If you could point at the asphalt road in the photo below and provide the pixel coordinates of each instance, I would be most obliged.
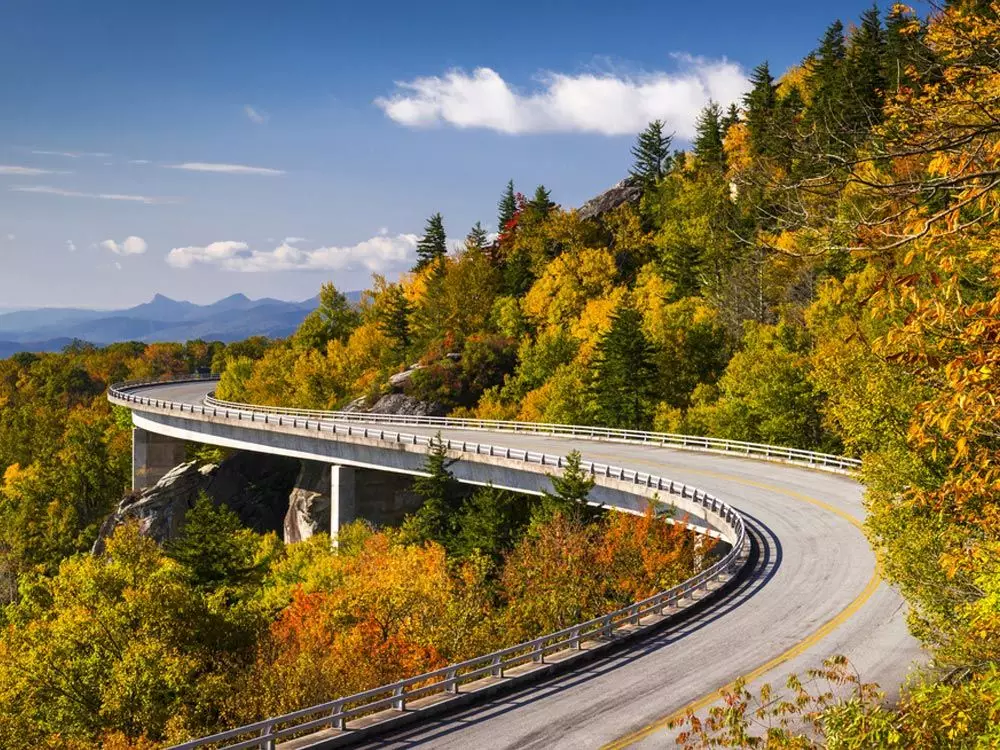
(813, 592)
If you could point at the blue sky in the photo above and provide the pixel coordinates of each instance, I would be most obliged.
(203, 148)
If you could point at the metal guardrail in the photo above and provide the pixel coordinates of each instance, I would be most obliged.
(338, 712)
(814, 459)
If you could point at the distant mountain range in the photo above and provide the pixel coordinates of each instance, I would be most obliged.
(161, 319)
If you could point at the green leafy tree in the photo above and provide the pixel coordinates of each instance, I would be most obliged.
(651, 154)
(214, 548)
(334, 319)
(433, 246)
(623, 375)
(394, 316)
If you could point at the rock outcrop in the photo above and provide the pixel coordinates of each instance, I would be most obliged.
(256, 487)
(626, 191)
(309, 502)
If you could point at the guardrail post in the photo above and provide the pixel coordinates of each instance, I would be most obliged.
(575, 639)
(451, 681)
(268, 743)
(538, 655)
(338, 721)
(607, 628)
(400, 694)
(497, 667)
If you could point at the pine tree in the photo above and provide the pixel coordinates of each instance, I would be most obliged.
(866, 81)
(541, 204)
(759, 105)
(437, 517)
(476, 239)
(902, 49)
(682, 263)
(394, 317)
(708, 139)
(651, 153)
(732, 117)
(570, 491)
(623, 376)
(507, 207)
(434, 244)
(211, 548)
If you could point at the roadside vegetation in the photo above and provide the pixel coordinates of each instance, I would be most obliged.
(818, 270)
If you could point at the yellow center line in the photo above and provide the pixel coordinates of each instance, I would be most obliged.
(811, 640)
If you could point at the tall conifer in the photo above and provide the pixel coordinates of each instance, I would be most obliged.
(507, 207)
(651, 154)
(759, 105)
(434, 244)
(624, 374)
(708, 139)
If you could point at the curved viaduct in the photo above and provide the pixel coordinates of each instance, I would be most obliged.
(810, 587)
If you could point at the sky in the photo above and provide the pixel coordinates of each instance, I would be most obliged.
(199, 149)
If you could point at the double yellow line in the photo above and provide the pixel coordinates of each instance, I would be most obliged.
(810, 640)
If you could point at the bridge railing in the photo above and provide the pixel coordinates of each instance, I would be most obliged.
(814, 459)
(449, 679)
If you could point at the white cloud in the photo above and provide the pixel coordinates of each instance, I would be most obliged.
(28, 171)
(71, 154)
(138, 161)
(255, 115)
(11, 237)
(71, 246)
(199, 166)
(131, 246)
(102, 196)
(294, 240)
(379, 254)
(604, 103)
(118, 265)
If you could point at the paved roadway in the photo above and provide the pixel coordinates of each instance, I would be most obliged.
(813, 592)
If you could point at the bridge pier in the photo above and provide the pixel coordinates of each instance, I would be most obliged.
(153, 456)
(343, 498)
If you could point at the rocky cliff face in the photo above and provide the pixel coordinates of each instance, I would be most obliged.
(256, 486)
(309, 503)
(626, 191)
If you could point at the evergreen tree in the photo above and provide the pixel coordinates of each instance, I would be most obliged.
(623, 376)
(866, 81)
(434, 244)
(732, 117)
(682, 264)
(541, 204)
(507, 207)
(476, 239)
(826, 74)
(759, 104)
(490, 522)
(394, 317)
(570, 491)
(651, 154)
(904, 49)
(212, 547)
(437, 518)
(708, 139)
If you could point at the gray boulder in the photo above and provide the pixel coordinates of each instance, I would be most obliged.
(309, 502)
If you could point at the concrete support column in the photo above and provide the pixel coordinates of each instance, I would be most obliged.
(153, 456)
(343, 498)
